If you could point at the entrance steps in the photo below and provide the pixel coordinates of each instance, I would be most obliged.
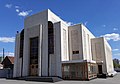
(39, 79)
(102, 76)
(43, 79)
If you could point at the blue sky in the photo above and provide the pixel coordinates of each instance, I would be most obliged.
(102, 18)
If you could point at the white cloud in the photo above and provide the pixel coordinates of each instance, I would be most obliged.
(117, 54)
(112, 36)
(86, 23)
(24, 13)
(103, 25)
(7, 39)
(17, 10)
(115, 29)
(115, 49)
(69, 23)
(17, 7)
(10, 54)
(7, 53)
(8, 5)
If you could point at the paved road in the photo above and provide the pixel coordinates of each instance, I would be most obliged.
(114, 80)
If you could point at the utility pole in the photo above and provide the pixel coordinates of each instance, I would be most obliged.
(3, 54)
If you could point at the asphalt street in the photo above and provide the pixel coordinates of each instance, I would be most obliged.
(110, 80)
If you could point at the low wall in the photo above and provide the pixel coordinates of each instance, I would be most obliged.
(6, 73)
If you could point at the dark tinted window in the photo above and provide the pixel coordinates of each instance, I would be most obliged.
(50, 38)
(34, 50)
(21, 42)
(75, 52)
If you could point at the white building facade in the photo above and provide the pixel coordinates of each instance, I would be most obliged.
(47, 44)
(102, 54)
(37, 42)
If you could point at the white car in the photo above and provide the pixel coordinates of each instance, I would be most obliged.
(111, 74)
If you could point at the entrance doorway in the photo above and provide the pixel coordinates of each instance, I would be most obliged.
(33, 67)
(99, 69)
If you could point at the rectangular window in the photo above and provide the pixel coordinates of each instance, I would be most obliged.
(34, 50)
(75, 52)
(64, 43)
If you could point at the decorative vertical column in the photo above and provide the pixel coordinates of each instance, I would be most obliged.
(40, 51)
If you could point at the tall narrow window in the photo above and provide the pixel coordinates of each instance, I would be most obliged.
(21, 42)
(34, 50)
(64, 43)
(50, 42)
(50, 38)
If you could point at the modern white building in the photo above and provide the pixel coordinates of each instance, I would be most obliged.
(49, 47)
(102, 54)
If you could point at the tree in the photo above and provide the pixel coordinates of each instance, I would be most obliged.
(116, 65)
